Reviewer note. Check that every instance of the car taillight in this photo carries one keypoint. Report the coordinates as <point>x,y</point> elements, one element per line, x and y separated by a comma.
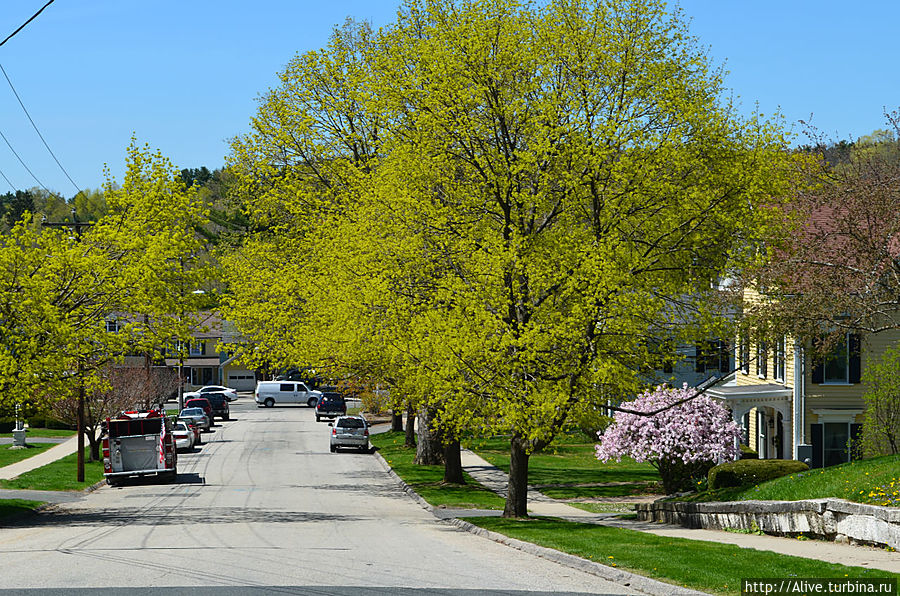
<point>107,466</point>
<point>367,432</point>
<point>333,431</point>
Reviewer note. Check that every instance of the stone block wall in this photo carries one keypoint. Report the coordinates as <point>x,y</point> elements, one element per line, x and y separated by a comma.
<point>829,519</point>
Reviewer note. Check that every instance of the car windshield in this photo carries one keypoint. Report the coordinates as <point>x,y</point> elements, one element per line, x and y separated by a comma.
<point>351,423</point>
<point>192,412</point>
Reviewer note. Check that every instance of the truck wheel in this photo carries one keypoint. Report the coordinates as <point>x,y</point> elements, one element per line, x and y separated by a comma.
<point>269,402</point>
<point>311,402</point>
<point>225,417</point>
<point>112,481</point>
<point>318,419</point>
<point>333,449</point>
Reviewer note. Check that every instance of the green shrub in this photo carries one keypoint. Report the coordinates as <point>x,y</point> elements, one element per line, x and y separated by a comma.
<point>7,425</point>
<point>37,422</point>
<point>591,423</point>
<point>746,472</point>
<point>53,423</point>
<point>748,453</point>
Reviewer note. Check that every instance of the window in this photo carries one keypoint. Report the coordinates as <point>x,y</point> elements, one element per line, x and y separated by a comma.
<point>713,357</point>
<point>112,326</point>
<point>837,365</point>
<point>744,353</point>
<point>201,376</point>
<point>762,360</point>
<point>197,348</point>
<point>835,443</point>
<point>841,365</point>
<point>780,359</point>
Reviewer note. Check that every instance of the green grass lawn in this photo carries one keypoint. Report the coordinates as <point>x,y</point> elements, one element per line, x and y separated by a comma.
<point>705,566</point>
<point>8,455</point>
<point>875,481</point>
<point>427,480</point>
<point>568,469</point>
<point>10,507</point>
<point>43,432</point>
<point>59,475</point>
<point>602,507</point>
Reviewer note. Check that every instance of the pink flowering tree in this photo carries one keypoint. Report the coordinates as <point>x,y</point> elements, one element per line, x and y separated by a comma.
<point>683,441</point>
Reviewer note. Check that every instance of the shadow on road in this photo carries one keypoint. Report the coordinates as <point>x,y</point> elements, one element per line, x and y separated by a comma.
<point>253,589</point>
<point>164,515</point>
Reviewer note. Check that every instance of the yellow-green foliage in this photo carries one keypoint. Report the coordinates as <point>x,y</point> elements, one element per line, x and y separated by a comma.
<point>491,206</point>
<point>58,284</point>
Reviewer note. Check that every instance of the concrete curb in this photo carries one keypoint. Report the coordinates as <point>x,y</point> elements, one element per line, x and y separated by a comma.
<point>406,488</point>
<point>640,583</point>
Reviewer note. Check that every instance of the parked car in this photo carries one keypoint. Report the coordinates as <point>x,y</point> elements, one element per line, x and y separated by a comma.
<point>331,405</point>
<point>269,393</point>
<point>198,416</point>
<point>349,431</point>
<point>194,429</point>
<point>201,402</point>
<point>230,394</point>
<point>219,403</point>
<point>184,436</point>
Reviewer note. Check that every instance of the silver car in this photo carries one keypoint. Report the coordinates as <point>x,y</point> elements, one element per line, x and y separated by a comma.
<point>349,431</point>
<point>198,416</point>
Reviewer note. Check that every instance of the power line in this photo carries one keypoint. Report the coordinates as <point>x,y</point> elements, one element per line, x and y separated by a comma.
<point>41,184</point>
<point>33,17</point>
<point>7,181</point>
<point>36,128</point>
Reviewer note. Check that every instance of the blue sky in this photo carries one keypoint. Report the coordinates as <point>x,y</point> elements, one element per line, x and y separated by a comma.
<point>184,75</point>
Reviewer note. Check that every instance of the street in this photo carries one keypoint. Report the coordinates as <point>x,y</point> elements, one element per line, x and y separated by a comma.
<point>264,506</point>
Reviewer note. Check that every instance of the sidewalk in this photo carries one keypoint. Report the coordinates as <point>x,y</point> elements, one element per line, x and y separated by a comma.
<point>65,448</point>
<point>538,504</point>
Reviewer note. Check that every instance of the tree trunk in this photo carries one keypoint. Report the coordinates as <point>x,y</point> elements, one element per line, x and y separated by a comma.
<point>517,497</point>
<point>396,421</point>
<point>428,441</point>
<point>453,472</point>
<point>94,443</point>
<point>410,442</point>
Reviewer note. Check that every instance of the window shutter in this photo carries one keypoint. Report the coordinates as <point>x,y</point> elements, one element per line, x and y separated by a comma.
<point>855,368</point>
<point>818,372</point>
<point>817,431</point>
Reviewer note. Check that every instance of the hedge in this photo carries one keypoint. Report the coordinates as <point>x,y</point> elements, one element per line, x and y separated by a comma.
<point>747,472</point>
<point>748,453</point>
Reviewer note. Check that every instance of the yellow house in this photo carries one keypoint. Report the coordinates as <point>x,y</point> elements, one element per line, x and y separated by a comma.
<point>792,405</point>
<point>209,359</point>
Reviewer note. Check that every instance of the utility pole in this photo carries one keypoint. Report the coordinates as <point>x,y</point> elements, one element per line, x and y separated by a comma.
<point>79,415</point>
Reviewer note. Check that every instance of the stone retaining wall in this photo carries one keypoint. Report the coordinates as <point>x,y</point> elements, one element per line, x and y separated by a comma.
<point>831,519</point>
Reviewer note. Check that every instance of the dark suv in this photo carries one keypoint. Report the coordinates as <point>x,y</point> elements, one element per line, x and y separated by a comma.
<point>219,402</point>
<point>331,405</point>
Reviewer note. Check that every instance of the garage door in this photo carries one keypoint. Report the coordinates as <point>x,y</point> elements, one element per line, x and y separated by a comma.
<point>242,380</point>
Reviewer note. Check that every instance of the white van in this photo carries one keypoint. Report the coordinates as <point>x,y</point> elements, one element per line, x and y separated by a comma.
<point>270,393</point>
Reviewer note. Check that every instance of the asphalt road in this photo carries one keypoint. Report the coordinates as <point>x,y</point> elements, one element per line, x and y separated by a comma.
<point>264,507</point>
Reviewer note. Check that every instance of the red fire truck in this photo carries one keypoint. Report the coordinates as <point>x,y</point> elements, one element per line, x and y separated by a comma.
<point>139,444</point>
